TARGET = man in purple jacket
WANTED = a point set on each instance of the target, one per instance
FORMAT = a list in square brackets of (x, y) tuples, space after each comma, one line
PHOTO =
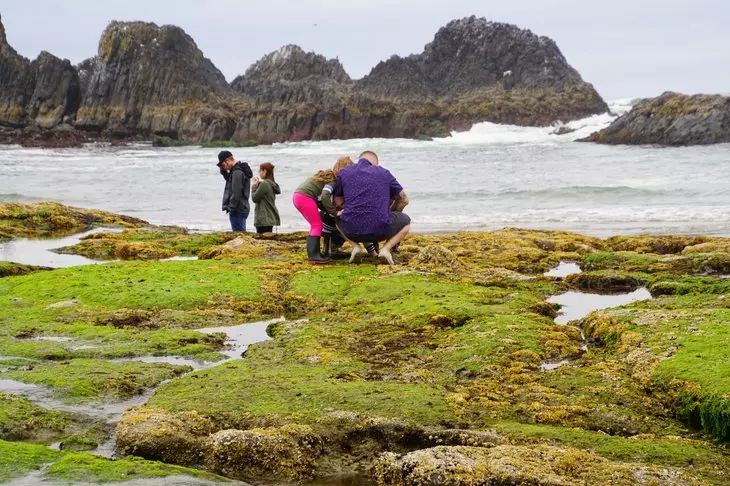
[(373, 201)]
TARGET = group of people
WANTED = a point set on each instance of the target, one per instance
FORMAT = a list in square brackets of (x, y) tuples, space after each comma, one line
[(361, 203)]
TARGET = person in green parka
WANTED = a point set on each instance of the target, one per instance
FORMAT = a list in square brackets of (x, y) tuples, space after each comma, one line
[(263, 194)]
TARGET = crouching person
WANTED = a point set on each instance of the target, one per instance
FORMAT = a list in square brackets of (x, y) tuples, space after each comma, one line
[(373, 201)]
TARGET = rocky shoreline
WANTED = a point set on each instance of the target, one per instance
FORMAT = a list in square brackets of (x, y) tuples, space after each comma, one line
[(426, 373), (150, 81)]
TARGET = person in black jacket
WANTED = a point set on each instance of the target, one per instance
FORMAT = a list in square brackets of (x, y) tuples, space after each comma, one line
[(237, 191)]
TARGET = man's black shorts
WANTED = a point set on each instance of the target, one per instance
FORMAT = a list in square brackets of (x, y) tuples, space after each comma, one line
[(398, 221)]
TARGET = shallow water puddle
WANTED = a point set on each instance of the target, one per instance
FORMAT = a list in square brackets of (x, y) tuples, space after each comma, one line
[(172, 360), (40, 252), (563, 270), (241, 337), (577, 305)]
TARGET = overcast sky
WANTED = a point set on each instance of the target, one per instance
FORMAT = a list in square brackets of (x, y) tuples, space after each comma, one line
[(626, 48)]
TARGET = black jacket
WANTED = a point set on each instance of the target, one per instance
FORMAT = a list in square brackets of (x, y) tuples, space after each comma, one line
[(238, 189)]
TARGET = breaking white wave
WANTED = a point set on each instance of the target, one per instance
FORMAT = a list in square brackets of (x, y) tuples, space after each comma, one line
[(492, 133)]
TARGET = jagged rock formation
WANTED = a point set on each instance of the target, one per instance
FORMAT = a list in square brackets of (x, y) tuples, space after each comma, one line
[(671, 119), (16, 84), (43, 94), (472, 53), (57, 93), (148, 80)]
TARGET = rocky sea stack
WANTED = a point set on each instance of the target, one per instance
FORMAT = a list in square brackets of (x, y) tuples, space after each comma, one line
[(149, 81), (671, 119)]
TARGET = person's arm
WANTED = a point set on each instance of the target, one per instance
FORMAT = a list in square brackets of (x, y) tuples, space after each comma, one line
[(236, 190), (398, 197), (400, 202), (339, 195), (326, 198), (224, 173), (260, 191)]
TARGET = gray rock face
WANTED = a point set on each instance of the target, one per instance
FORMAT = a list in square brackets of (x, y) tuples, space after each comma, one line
[(143, 77), (290, 75), (472, 53), (671, 119), (152, 80), (57, 93), (42, 92), (16, 84)]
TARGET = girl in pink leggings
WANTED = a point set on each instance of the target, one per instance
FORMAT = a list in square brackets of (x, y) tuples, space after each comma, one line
[(306, 200)]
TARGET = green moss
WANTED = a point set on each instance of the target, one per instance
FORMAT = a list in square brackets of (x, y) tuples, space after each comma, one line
[(146, 244), (17, 458), (21, 420), (84, 379), (78, 467), (136, 285)]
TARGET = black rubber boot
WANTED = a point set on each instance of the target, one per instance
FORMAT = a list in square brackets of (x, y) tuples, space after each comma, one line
[(313, 252), (327, 251)]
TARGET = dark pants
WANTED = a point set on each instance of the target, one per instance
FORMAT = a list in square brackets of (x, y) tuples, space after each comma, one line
[(329, 227), (238, 221), (264, 229), (398, 221)]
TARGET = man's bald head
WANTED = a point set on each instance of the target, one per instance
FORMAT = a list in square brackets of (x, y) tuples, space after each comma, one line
[(370, 156)]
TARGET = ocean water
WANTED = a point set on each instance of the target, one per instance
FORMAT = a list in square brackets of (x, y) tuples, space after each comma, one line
[(490, 177)]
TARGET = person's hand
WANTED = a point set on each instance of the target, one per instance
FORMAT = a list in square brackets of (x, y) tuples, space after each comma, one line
[(256, 180)]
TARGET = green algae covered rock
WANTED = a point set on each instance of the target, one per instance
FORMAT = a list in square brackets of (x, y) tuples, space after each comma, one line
[(18, 220), (438, 370), (509, 465)]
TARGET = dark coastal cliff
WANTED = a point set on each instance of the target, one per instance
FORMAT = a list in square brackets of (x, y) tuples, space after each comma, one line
[(148, 80), (671, 119)]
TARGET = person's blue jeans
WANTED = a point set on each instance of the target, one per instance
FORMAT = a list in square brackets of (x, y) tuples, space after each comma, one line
[(238, 221)]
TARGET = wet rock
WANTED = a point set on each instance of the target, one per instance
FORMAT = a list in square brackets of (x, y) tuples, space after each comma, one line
[(10, 269), (436, 258), (671, 119), (606, 282), (286, 453), (176, 438), (510, 465), (33, 220), (658, 244)]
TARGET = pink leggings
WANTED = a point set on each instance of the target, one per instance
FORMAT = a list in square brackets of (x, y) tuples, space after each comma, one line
[(308, 207)]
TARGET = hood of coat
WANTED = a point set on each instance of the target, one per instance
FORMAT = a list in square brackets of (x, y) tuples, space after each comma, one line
[(274, 186)]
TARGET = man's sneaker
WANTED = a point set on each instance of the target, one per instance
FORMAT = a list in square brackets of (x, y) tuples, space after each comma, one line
[(356, 250), (385, 257)]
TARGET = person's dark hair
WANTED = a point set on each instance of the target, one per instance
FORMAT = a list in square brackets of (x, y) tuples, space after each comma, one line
[(269, 168), (369, 152)]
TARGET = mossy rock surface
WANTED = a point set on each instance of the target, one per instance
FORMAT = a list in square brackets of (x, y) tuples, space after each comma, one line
[(379, 365), (18, 220)]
